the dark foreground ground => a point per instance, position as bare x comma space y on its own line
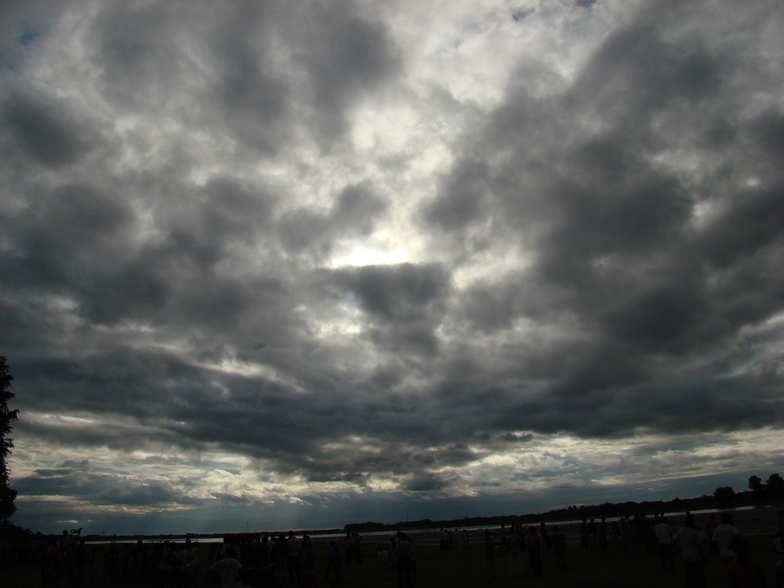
608, 568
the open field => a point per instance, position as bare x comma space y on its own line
466, 569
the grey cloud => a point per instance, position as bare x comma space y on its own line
64, 232
425, 483
623, 219
361, 464
461, 201
154, 492
613, 237
255, 99
395, 292
100, 488
748, 226
174, 404
346, 57
46, 131
233, 213
404, 303
138, 53
768, 129
245, 63
649, 71
354, 213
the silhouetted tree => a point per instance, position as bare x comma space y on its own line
775, 486
756, 486
7, 494
724, 494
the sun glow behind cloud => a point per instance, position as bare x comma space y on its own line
370, 255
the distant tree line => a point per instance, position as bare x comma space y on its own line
759, 494
773, 489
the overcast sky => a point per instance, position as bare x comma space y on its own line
299, 264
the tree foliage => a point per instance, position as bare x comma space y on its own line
724, 494
775, 486
756, 485
7, 416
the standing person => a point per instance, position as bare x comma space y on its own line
489, 551
307, 578
404, 550
514, 550
558, 542
413, 562
723, 537
545, 538
357, 548
292, 557
534, 552
778, 574
348, 549
81, 561
308, 554
51, 564
744, 572
392, 556
590, 535
664, 540
710, 527
169, 564
333, 562
693, 560
228, 568
615, 533
602, 536
263, 555
280, 551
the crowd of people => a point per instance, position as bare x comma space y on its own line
256, 560
641, 533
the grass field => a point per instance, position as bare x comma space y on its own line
465, 569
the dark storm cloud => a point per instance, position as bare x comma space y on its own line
749, 225
137, 53
353, 214
398, 292
45, 131
346, 58
242, 65
166, 401
599, 256
69, 230
253, 97
616, 251
362, 464
404, 304
460, 203
87, 483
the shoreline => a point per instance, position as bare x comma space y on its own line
749, 520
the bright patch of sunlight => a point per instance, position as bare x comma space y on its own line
363, 255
